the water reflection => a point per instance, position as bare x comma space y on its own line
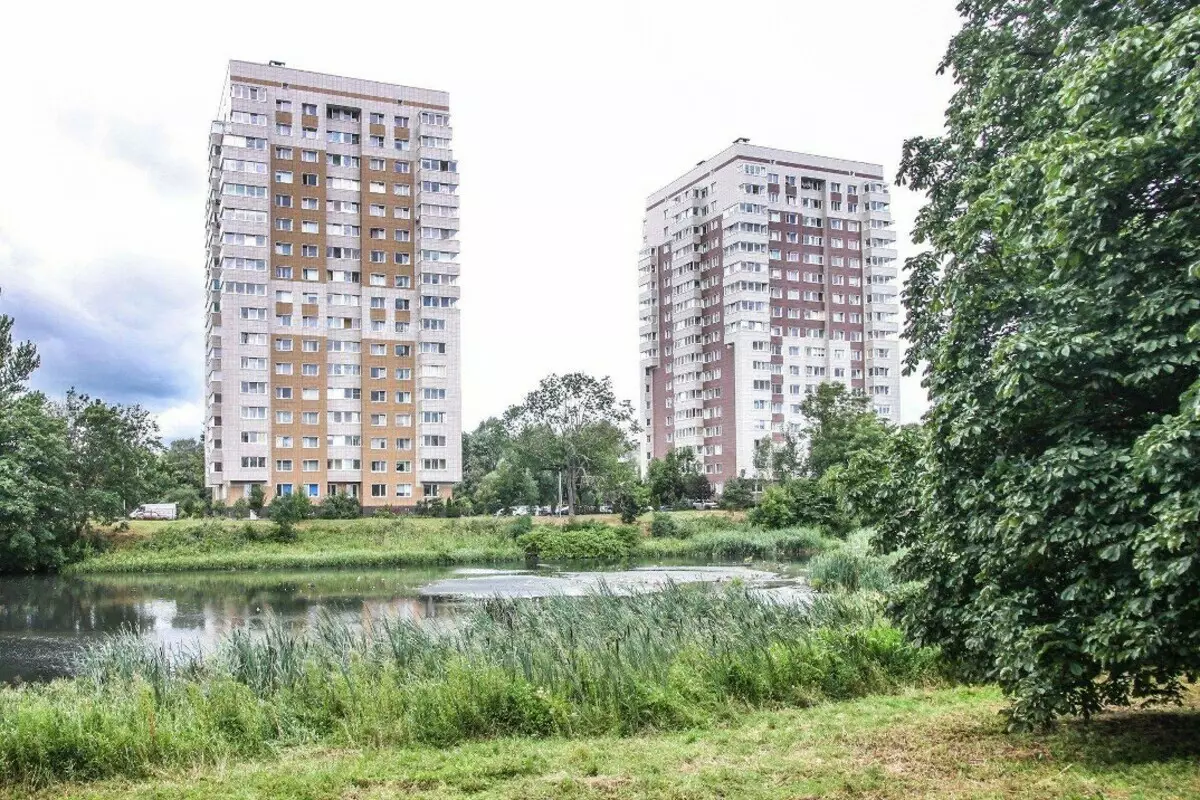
46, 621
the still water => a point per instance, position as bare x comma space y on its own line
46, 621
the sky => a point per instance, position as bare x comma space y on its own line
566, 116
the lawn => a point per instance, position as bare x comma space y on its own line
947, 743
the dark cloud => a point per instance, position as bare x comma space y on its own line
127, 330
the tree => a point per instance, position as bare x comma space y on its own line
631, 497
255, 499
285, 511
1058, 310
483, 448
114, 459
761, 460
64, 465
181, 476
508, 485
573, 424
738, 494
34, 461
837, 424
664, 480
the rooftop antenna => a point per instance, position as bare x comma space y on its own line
275, 63
741, 140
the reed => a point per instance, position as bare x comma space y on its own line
594, 665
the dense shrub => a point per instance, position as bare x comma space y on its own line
340, 506
520, 525
285, 511
587, 540
815, 502
664, 525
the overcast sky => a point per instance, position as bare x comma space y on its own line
566, 115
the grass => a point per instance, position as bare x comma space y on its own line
576, 667
189, 545
945, 743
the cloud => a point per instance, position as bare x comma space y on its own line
145, 146
183, 421
121, 327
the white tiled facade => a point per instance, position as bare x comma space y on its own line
332, 263
763, 273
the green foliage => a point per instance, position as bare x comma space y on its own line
676, 478
564, 667
737, 495
738, 544
573, 425
804, 502
520, 525
506, 486
850, 569
664, 525
340, 506
34, 462
180, 476
631, 498
838, 424
63, 465
256, 499
1055, 520
581, 540
285, 511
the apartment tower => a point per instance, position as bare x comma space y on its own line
332, 323
763, 273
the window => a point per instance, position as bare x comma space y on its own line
404, 489
433, 463
254, 462
308, 156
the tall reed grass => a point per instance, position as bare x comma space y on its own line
559, 666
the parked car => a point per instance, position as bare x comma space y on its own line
155, 511
704, 505
606, 509
562, 511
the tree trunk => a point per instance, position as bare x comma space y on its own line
571, 499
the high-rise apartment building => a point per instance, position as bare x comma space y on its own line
332, 332
763, 273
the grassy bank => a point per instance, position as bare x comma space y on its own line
946, 743
228, 544
594, 666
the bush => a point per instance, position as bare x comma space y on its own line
774, 509
737, 495
804, 501
519, 526
340, 506
664, 526
285, 511
629, 503
577, 541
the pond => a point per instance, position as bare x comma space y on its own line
45, 621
